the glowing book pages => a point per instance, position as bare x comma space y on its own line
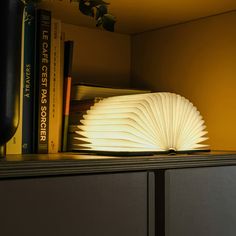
150, 122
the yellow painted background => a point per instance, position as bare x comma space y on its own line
197, 60
99, 56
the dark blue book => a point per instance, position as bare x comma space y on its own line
43, 47
29, 79
68, 58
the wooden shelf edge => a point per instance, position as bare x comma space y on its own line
16, 166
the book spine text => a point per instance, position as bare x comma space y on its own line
29, 79
56, 85
43, 74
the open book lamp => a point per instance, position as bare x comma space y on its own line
152, 122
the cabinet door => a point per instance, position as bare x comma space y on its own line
92, 205
200, 202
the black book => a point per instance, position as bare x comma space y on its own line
43, 81
68, 58
29, 79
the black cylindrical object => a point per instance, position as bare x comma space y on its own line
11, 14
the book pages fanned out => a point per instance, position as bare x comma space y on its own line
151, 122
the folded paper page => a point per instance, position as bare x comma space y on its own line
151, 122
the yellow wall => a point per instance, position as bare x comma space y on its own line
99, 56
197, 60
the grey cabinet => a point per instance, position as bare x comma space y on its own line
73, 195
200, 201
84, 205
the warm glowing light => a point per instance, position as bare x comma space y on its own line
143, 122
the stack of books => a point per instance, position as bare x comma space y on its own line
41, 107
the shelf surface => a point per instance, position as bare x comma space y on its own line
73, 163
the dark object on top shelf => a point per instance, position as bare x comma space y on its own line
10, 61
96, 9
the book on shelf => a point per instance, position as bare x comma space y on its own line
43, 47
28, 78
83, 105
56, 87
142, 123
68, 59
62, 50
83, 91
78, 108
